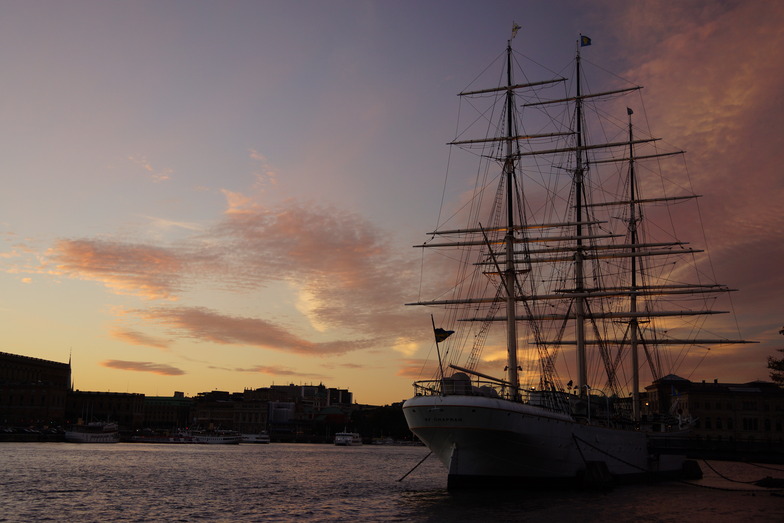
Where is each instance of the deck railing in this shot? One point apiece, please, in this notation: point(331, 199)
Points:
point(554, 400)
point(456, 387)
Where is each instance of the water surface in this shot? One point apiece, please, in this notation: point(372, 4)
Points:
point(297, 482)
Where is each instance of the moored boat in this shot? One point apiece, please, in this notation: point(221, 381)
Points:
point(93, 432)
point(348, 439)
point(221, 437)
point(169, 438)
point(261, 437)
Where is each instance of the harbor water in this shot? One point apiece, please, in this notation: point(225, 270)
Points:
point(300, 482)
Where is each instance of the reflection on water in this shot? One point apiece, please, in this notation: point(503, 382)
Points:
point(282, 482)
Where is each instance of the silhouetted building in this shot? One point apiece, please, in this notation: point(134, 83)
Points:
point(725, 412)
point(125, 409)
point(32, 391)
point(340, 397)
point(214, 410)
point(36, 392)
point(253, 412)
point(167, 412)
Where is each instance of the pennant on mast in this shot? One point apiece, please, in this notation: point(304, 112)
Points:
point(442, 334)
point(515, 28)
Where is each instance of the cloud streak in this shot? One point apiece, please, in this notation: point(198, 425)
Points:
point(156, 175)
point(144, 366)
point(134, 337)
point(416, 368)
point(134, 269)
point(281, 372)
point(198, 323)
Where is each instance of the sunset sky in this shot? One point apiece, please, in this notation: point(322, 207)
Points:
point(203, 195)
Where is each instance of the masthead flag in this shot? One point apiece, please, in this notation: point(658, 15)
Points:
point(584, 40)
point(515, 28)
point(442, 334)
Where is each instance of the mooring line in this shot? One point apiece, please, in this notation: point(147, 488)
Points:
point(415, 466)
point(579, 440)
point(722, 476)
point(759, 465)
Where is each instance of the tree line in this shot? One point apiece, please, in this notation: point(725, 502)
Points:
point(776, 366)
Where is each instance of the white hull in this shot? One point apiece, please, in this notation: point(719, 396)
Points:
point(222, 439)
point(163, 439)
point(256, 438)
point(91, 434)
point(480, 438)
point(348, 439)
point(79, 437)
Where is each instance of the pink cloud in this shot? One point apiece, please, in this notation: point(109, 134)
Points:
point(206, 325)
point(139, 338)
point(140, 270)
point(355, 366)
point(143, 366)
point(416, 368)
point(280, 371)
point(346, 265)
point(302, 238)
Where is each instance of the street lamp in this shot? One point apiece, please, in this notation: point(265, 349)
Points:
point(606, 400)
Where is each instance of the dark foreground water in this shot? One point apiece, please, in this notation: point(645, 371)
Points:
point(289, 482)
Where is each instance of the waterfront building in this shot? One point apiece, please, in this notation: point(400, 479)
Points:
point(340, 397)
point(214, 409)
point(167, 412)
point(287, 412)
point(33, 391)
point(735, 415)
point(125, 409)
point(253, 413)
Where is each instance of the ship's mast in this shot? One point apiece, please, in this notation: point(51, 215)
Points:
point(633, 322)
point(510, 271)
point(579, 306)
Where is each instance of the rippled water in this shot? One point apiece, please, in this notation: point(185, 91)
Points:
point(285, 482)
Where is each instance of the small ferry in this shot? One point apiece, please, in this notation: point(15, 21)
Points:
point(152, 437)
point(222, 437)
point(262, 437)
point(94, 432)
point(348, 439)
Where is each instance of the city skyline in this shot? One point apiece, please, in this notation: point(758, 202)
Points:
point(227, 193)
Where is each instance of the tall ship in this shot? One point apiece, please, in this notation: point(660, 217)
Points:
point(562, 266)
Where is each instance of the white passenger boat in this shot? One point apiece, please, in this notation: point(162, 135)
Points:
point(222, 437)
point(261, 437)
point(94, 432)
point(348, 439)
